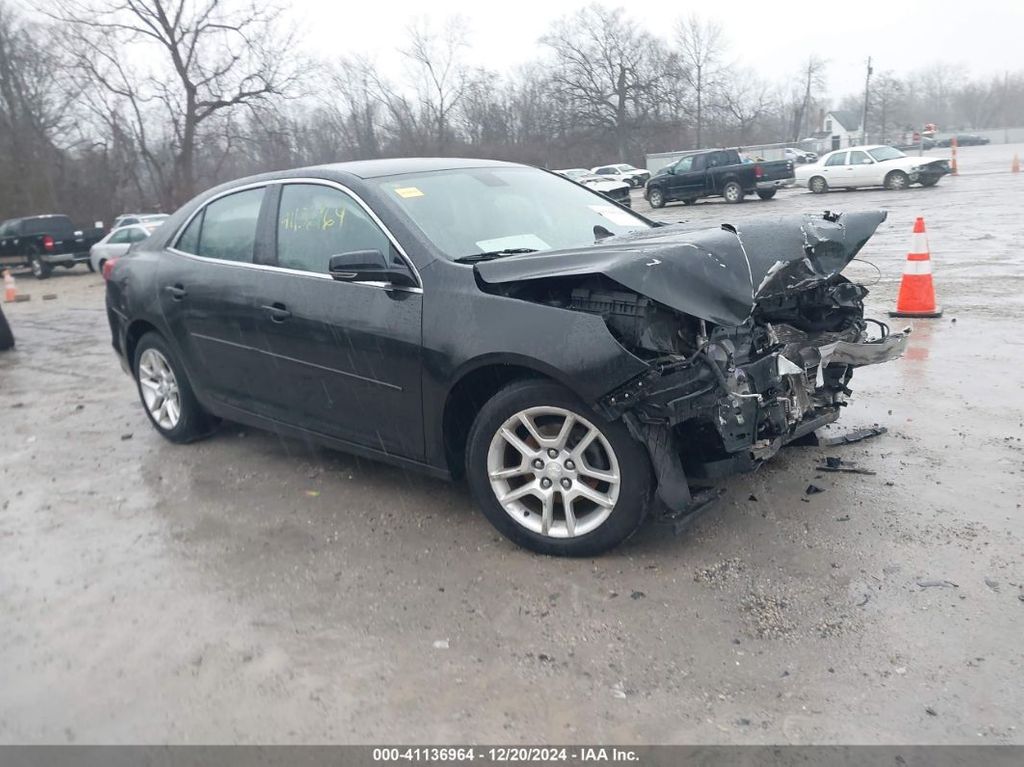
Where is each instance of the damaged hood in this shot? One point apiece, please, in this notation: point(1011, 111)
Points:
point(717, 274)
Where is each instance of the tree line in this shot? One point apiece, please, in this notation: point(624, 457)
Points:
point(115, 105)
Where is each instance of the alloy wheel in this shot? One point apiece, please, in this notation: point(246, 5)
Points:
point(553, 472)
point(159, 388)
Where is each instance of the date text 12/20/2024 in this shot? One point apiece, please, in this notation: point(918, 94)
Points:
point(497, 754)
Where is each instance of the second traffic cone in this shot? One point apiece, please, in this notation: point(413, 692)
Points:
point(10, 289)
point(1015, 165)
point(917, 293)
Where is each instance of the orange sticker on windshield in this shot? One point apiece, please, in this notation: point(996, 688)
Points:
point(408, 191)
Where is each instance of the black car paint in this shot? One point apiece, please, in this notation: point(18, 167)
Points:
point(389, 373)
point(395, 364)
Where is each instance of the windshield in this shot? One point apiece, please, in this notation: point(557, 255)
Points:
point(883, 153)
point(467, 211)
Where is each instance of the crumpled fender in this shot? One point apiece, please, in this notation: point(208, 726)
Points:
point(717, 274)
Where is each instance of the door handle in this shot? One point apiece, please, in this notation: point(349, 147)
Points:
point(177, 292)
point(277, 312)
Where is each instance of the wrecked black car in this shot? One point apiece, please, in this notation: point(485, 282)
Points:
point(579, 364)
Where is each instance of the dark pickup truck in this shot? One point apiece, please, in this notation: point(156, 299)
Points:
point(43, 242)
point(717, 173)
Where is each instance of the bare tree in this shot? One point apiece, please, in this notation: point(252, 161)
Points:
point(438, 73)
point(702, 47)
point(193, 60)
point(745, 104)
point(812, 78)
point(607, 73)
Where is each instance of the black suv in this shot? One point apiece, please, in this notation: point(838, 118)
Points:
point(578, 363)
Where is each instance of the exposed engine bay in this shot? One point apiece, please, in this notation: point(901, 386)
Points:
point(731, 381)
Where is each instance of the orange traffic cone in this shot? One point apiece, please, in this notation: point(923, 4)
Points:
point(10, 289)
point(1015, 165)
point(917, 293)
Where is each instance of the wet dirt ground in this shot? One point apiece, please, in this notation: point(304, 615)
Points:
point(252, 589)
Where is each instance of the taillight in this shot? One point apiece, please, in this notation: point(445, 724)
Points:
point(108, 267)
point(758, 171)
point(48, 242)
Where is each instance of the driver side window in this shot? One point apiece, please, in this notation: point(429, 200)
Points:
point(837, 159)
point(859, 158)
point(316, 222)
point(120, 237)
point(684, 165)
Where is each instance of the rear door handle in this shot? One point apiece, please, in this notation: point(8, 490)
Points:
point(177, 292)
point(278, 312)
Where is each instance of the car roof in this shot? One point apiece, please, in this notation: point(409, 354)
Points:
point(398, 165)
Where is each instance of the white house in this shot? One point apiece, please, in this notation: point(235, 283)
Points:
point(841, 128)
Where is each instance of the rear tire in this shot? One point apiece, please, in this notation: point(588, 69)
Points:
point(40, 269)
point(656, 198)
point(766, 194)
point(732, 192)
point(161, 382)
point(818, 185)
point(897, 180)
point(6, 336)
point(558, 454)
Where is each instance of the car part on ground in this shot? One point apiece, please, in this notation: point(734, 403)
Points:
point(569, 383)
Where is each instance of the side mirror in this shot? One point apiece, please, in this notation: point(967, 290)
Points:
point(368, 266)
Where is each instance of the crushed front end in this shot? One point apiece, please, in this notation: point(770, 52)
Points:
point(751, 335)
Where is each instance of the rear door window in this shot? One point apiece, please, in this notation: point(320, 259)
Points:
point(316, 222)
point(229, 224)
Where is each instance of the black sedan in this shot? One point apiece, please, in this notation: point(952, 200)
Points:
point(578, 363)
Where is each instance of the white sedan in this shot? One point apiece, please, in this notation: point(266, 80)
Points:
point(869, 165)
point(117, 242)
point(623, 172)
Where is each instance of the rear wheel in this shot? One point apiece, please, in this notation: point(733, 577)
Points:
point(166, 394)
point(553, 476)
point(732, 192)
point(40, 269)
point(766, 194)
point(818, 185)
point(897, 179)
point(656, 198)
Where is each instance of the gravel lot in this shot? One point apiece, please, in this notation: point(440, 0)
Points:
point(250, 589)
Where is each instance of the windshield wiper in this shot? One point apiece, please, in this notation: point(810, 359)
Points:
point(490, 255)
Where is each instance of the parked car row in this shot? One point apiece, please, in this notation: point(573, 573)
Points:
point(617, 191)
point(45, 242)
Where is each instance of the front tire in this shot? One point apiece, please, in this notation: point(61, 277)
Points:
point(166, 393)
point(553, 476)
point(732, 192)
point(766, 194)
point(656, 198)
point(896, 180)
point(818, 185)
point(929, 182)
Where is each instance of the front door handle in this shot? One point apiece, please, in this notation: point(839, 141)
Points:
point(177, 292)
point(277, 312)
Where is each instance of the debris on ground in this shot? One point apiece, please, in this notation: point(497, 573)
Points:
point(931, 711)
point(832, 463)
point(852, 436)
point(126, 437)
point(637, 595)
point(813, 490)
point(994, 585)
point(768, 616)
point(440, 644)
point(938, 585)
point(49, 296)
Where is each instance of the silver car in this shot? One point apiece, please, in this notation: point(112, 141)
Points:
point(117, 242)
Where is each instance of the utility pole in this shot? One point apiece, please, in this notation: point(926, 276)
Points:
point(1006, 122)
point(864, 119)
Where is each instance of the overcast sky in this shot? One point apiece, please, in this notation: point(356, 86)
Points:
point(984, 36)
